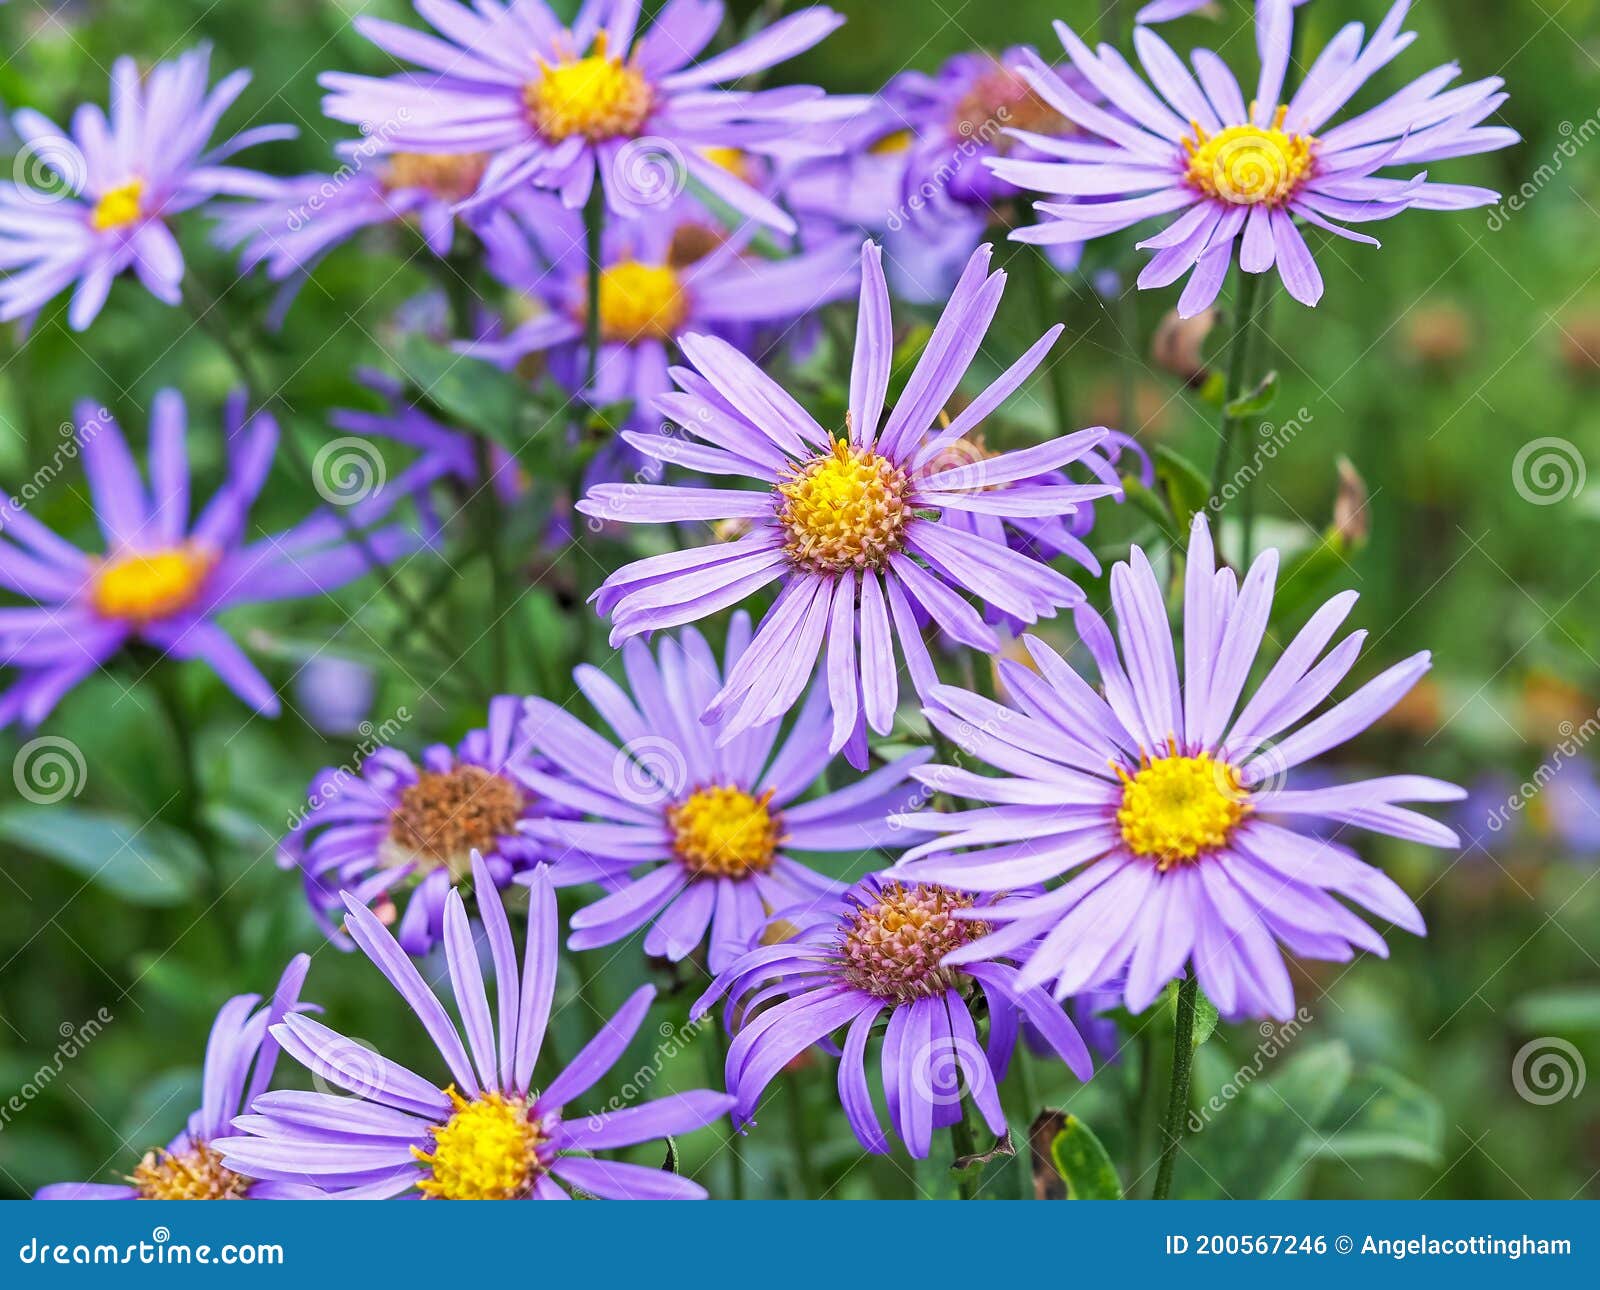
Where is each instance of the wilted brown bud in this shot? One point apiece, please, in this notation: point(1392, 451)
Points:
point(1438, 335)
point(1351, 520)
point(693, 242)
point(1580, 345)
point(1179, 343)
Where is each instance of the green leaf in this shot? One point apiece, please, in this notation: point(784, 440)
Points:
point(145, 863)
point(1561, 1010)
point(1256, 401)
point(1083, 1163)
point(1149, 502)
point(1188, 490)
point(1205, 1013)
point(468, 391)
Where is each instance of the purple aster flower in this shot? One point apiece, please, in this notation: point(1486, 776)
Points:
point(553, 105)
point(126, 178)
point(486, 1134)
point(296, 221)
point(240, 1057)
point(879, 950)
point(1237, 171)
point(693, 834)
point(1167, 10)
point(973, 109)
point(848, 527)
point(400, 825)
point(162, 579)
point(659, 279)
point(1167, 804)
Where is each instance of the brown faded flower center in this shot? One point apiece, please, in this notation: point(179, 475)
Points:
point(444, 817)
point(892, 947)
point(1000, 99)
point(452, 177)
point(196, 1174)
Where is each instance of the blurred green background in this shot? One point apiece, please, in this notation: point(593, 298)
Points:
point(1430, 365)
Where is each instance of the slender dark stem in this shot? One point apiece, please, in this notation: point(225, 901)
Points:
point(1045, 280)
point(800, 1139)
point(961, 1141)
point(717, 1062)
point(1240, 344)
point(594, 222)
point(263, 395)
point(1178, 1091)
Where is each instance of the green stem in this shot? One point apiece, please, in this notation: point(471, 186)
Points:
point(594, 222)
point(263, 395)
point(961, 1141)
point(716, 1075)
point(1236, 384)
point(1045, 279)
point(800, 1138)
point(1178, 1091)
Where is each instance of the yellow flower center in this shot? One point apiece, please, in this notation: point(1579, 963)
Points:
point(487, 1150)
point(453, 177)
point(733, 160)
point(894, 142)
point(1176, 808)
point(143, 586)
point(641, 302)
point(1247, 165)
point(597, 96)
point(724, 832)
point(118, 207)
point(892, 948)
point(846, 509)
point(445, 816)
point(197, 1174)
